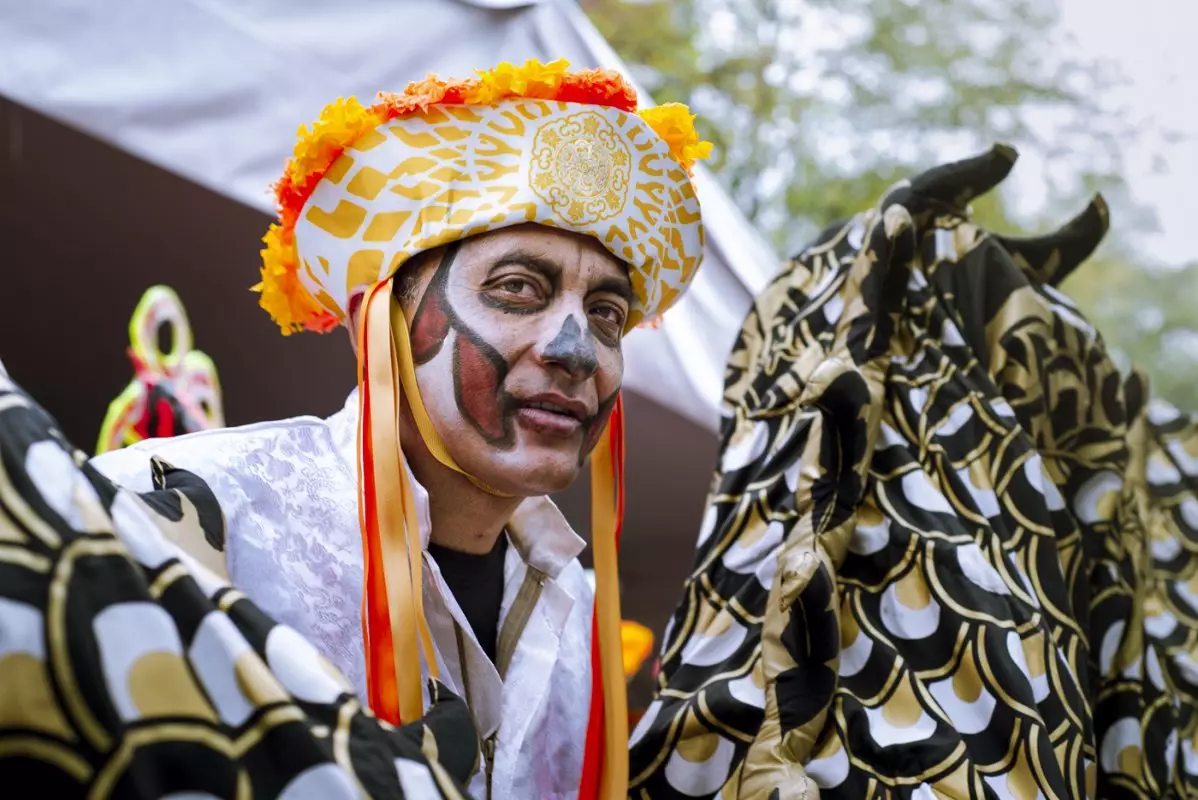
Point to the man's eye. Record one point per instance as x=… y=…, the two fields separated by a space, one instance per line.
x=609 y=314
x=518 y=286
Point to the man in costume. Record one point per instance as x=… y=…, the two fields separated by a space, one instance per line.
x=487 y=242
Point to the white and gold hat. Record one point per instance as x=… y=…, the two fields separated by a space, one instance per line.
x=367 y=189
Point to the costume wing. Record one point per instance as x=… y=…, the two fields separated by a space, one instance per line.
x=932 y=565
x=127 y=670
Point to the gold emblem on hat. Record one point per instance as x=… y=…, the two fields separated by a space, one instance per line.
x=583 y=167
x=580 y=167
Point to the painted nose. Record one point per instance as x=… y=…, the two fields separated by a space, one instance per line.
x=573 y=350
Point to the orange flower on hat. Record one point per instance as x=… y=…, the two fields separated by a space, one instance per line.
x=416 y=98
x=533 y=79
x=341 y=122
x=674 y=123
x=281 y=295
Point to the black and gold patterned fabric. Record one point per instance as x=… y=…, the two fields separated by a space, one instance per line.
x=128 y=671
x=938 y=561
x=1170 y=471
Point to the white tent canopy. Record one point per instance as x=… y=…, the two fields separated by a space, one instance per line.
x=212 y=89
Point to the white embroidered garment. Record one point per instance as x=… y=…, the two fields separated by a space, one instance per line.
x=288 y=490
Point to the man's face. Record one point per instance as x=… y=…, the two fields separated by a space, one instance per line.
x=516 y=336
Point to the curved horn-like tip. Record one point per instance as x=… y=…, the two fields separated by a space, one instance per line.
x=962 y=181
x=1004 y=150
x=1050 y=258
x=895 y=220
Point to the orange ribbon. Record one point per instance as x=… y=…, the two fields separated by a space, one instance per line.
x=605 y=763
x=395 y=630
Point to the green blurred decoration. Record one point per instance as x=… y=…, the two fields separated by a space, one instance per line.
x=817 y=106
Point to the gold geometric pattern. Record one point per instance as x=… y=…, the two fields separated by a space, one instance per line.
x=454 y=171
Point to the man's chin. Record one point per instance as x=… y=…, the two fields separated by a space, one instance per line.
x=535 y=471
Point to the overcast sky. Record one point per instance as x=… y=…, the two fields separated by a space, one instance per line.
x=1154 y=44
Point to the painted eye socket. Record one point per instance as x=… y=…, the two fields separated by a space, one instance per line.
x=517 y=289
x=516 y=293
x=608 y=314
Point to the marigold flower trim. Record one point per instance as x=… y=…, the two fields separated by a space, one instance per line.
x=344 y=121
x=674 y=123
x=282 y=295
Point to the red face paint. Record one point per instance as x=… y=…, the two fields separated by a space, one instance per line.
x=430 y=325
x=477 y=386
x=478 y=368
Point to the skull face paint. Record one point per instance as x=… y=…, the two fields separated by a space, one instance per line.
x=517 y=343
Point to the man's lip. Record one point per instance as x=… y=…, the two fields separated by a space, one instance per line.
x=575 y=408
x=548 y=423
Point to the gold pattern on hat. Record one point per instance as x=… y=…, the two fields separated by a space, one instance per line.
x=453 y=172
x=580 y=167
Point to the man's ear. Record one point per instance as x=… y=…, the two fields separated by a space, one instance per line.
x=351 y=319
x=408 y=284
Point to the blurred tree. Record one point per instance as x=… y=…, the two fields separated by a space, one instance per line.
x=1147 y=317
x=817 y=106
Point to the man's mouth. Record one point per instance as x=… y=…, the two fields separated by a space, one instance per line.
x=553 y=416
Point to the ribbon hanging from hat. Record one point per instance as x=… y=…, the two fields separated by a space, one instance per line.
x=605 y=760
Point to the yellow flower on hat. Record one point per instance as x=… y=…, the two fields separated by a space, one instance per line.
x=340 y=122
x=282 y=296
x=533 y=80
x=674 y=123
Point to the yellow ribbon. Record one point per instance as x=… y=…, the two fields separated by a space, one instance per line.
x=604 y=521
x=392 y=519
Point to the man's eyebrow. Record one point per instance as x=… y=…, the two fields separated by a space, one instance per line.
x=537 y=263
x=552 y=271
x=621 y=287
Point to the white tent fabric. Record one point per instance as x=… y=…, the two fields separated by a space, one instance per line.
x=212 y=90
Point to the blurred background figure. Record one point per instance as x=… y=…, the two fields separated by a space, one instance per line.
x=174 y=390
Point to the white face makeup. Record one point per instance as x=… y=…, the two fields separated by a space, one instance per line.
x=516 y=335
